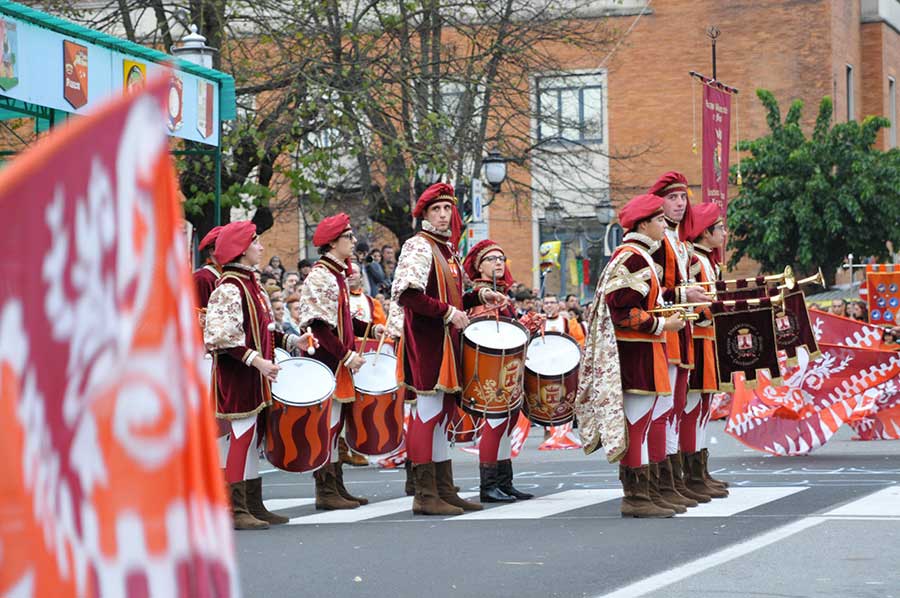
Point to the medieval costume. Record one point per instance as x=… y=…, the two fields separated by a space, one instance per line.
x=703 y=379
x=624 y=369
x=237 y=333
x=428 y=286
x=325 y=308
x=206 y=277
x=674 y=257
x=494 y=446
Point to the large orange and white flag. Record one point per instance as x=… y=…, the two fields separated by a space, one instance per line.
x=109 y=478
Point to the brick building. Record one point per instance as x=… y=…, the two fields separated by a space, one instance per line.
x=640 y=100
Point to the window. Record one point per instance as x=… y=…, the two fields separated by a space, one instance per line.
x=850 y=104
x=892 y=111
x=570 y=108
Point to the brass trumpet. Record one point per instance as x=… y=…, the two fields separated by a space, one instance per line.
x=791 y=283
x=688 y=308
x=786 y=275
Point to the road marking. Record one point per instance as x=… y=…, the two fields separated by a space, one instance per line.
x=740 y=499
x=370 y=511
x=884 y=503
x=692 y=568
x=279 y=504
x=544 y=506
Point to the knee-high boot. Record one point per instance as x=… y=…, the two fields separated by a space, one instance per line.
x=253 y=491
x=427 y=501
x=506 y=478
x=327 y=496
x=443 y=475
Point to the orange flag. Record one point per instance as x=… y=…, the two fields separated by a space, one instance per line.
x=110 y=479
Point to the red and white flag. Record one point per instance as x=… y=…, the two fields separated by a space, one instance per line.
x=110 y=479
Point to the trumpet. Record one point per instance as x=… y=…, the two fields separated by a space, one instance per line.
x=690 y=307
x=788 y=274
x=791 y=283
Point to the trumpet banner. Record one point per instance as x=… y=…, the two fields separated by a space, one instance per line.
x=745 y=344
x=110 y=478
x=793 y=328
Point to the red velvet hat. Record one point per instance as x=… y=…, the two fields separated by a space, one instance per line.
x=233 y=240
x=437 y=193
x=675 y=181
x=639 y=208
x=210 y=238
x=330 y=229
x=705 y=215
x=477 y=254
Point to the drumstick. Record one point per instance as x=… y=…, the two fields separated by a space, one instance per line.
x=310 y=343
x=497 y=313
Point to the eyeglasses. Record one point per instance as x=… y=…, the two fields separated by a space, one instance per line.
x=494 y=258
x=720 y=227
x=347 y=236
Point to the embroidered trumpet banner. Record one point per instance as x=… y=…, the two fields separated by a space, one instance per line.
x=110 y=478
x=793 y=329
x=745 y=343
x=816 y=399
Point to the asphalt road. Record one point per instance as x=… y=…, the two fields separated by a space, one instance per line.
x=827 y=524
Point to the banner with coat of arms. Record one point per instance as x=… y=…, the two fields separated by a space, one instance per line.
x=745 y=343
x=110 y=478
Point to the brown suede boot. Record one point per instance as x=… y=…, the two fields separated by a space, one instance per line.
x=427 y=501
x=695 y=480
x=667 y=487
x=410 y=487
x=242 y=517
x=656 y=496
x=443 y=475
x=327 y=496
x=342 y=490
x=636 y=502
x=253 y=492
x=709 y=479
x=678 y=475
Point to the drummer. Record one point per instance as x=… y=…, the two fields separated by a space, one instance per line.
x=206 y=277
x=486 y=266
x=325 y=308
x=237 y=334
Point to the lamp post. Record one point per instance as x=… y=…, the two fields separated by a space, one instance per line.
x=494 y=169
x=553 y=213
x=193 y=49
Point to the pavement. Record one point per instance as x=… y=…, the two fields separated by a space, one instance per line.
x=827 y=524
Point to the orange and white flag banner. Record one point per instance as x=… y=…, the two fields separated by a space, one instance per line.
x=109 y=479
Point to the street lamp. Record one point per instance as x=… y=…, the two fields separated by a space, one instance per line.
x=494 y=169
x=604 y=211
x=193 y=48
x=553 y=213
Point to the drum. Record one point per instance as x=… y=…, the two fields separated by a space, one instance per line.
x=281 y=355
x=551 y=378
x=493 y=357
x=298 y=422
x=375 y=422
x=464 y=427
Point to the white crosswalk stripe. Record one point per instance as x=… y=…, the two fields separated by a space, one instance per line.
x=740 y=500
x=544 y=506
x=370 y=511
x=883 y=503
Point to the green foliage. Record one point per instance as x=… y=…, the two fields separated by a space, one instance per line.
x=808 y=202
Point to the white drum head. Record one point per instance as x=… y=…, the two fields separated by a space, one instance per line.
x=303 y=382
x=484 y=333
x=552 y=355
x=377 y=377
x=281 y=355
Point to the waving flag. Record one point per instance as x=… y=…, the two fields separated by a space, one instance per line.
x=110 y=479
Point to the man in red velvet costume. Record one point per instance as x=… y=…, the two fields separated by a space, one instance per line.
x=485 y=265
x=624 y=371
x=674 y=256
x=428 y=286
x=325 y=308
x=708 y=237
x=206 y=277
x=239 y=336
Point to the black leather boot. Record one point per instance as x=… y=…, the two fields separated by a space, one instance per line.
x=505 y=478
x=489 y=490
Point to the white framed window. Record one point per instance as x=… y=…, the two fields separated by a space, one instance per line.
x=570 y=108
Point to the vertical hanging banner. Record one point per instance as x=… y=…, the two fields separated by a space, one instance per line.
x=75 y=75
x=110 y=475
x=883 y=284
x=716 y=140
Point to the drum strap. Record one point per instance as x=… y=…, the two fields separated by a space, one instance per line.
x=241 y=282
x=448 y=289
